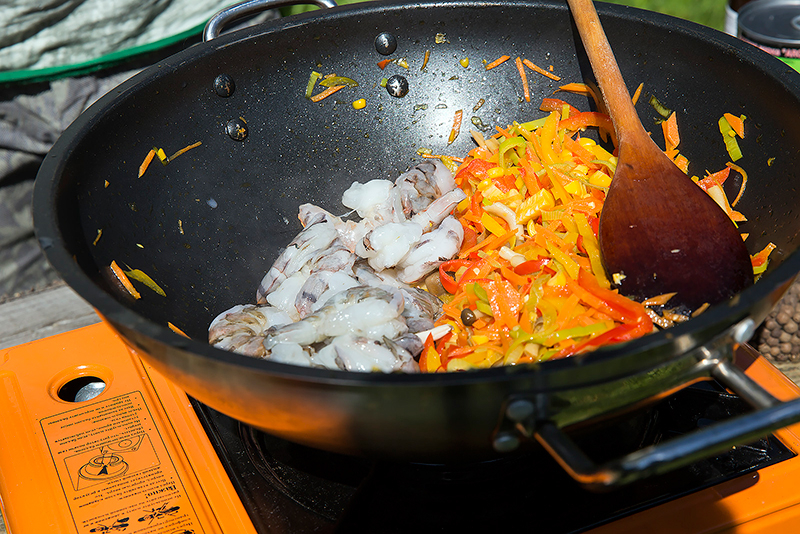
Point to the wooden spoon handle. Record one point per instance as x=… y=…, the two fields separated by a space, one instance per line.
x=615 y=93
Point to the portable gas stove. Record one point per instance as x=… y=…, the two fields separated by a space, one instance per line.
x=96 y=441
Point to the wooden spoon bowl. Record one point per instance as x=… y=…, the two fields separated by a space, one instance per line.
x=659 y=232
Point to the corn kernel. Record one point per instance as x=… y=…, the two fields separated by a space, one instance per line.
x=360 y=103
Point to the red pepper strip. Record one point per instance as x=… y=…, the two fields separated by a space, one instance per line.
x=470 y=238
x=382 y=64
x=449 y=283
x=556 y=104
x=616 y=306
x=718 y=178
x=476 y=168
x=531 y=266
x=505 y=183
x=583 y=155
x=586 y=119
x=631 y=311
x=605 y=338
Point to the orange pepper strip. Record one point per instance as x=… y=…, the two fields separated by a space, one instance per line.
x=525 y=89
x=326 y=93
x=498 y=61
x=737 y=124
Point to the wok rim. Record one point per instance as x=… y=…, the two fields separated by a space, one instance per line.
x=717 y=318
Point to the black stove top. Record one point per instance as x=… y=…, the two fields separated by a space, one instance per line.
x=289 y=488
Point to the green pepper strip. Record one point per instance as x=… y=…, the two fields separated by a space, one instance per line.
x=312 y=80
x=730 y=141
x=338 y=80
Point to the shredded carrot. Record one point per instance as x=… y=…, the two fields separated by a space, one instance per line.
x=176 y=329
x=637 y=93
x=744 y=182
x=454 y=131
x=146 y=163
x=326 y=93
x=185 y=149
x=540 y=70
x=498 y=61
x=526 y=91
x=670 y=128
x=425 y=60
x=123 y=278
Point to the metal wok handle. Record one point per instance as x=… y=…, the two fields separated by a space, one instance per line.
x=771 y=414
x=251 y=7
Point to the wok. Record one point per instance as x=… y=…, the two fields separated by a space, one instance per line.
x=208 y=225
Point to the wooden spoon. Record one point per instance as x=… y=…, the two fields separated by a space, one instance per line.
x=659 y=231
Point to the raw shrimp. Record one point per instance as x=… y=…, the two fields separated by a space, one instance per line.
x=341 y=288
x=370 y=312
x=315 y=237
x=241 y=328
x=350 y=352
x=436 y=247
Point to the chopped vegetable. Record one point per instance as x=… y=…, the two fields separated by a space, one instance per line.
x=525 y=89
x=140 y=276
x=333 y=81
x=96 y=239
x=312 y=81
x=183 y=150
x=729 y=138
x=496 y=62
x=123 y=279
x=454 y=131
x=176 y=329
x=540 y=70
x=382 y=64
x=326 y=93
x=464 y=62
x=146 y=163
x=361 y=103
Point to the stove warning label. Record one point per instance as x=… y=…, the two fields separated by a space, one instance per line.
x=115 y=470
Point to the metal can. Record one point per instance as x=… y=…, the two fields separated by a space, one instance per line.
x=774 y=27
x=732 y=15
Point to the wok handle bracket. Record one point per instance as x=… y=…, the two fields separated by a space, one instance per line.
x=252 y=7
x=770 y=415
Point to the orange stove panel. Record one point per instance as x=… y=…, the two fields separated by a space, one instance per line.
x=134 y=458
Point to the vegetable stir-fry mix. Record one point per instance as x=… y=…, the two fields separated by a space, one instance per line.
x=528 y=284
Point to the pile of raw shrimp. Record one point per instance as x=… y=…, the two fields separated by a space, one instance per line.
x=342 y=294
